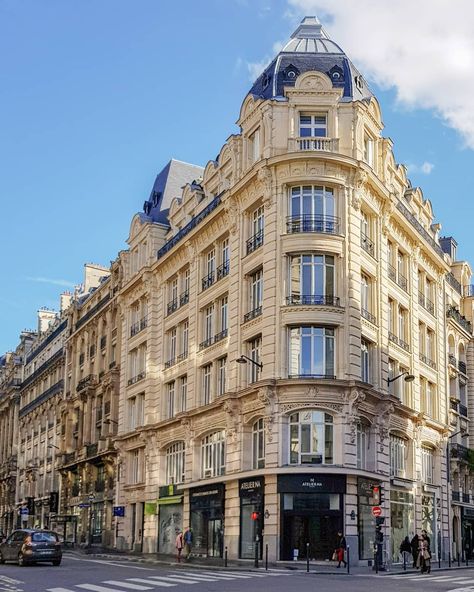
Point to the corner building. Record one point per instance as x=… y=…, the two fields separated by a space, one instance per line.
x=305 y=249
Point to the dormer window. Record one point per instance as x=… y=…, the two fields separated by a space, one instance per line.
x=313 y=125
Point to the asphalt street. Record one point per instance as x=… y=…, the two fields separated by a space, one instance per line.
x=78 y=574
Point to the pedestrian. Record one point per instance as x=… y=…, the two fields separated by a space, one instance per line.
x=425 y=534
x=341 y=547
x=179 y=546
x=415 y=547
x=424 y=555
x=188 y=542
x=405 y=548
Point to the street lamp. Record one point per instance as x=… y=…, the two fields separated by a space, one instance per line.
x=244 y=359
x=109 y=421
x=408 y=378
x=53 y=446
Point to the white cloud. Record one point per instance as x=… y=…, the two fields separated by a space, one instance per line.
x=425 y=168
x=423 y=49
x=55 y=282
x=256 y=68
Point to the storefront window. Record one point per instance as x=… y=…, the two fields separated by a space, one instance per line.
x=428 y=520
x=311 y=438
x=402 y=519
x=258 y=444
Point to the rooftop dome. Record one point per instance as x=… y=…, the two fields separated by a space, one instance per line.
x=310 y=49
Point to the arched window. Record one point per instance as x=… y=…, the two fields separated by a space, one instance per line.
x=258 y=445
x=213 y=455
x=175 y=463
x=311 y=437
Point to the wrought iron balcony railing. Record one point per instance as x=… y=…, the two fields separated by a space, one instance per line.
x=308 y=223
x=256 y=312
x=312 y=300
x=453 y=313
x=368 y=316
x=136 y=378
x=208 y=280
x=324 y=376
x=367 y=244
x=254 y=242
x=425 y=303
x=427 y=361
x=223 y=270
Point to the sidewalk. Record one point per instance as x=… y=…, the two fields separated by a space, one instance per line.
x=315 y=567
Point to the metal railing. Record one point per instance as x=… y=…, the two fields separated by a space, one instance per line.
x=170 y=363
x=312 y=300
x=138 y=326
x=425 y=303
x=453 y=405
x=398 y=341
x=324 y=376
x=208 y=280
x=452 y=360
x=220 y=336
x=308 y=223
x=136 y=378
x=91 y=449
x=254 y=242
x=256 y=312
x=462 y=367
x=223 y=270
x=367 y=244
x=182 y=356
x=184 y=298
x=453 y=282
x=427 y=361
x=453 y=313
x=462 y=410
x=85 y=382
x=172 y=306
x=368 y=316
x=468 y=290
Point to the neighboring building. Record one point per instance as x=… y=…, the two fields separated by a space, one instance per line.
x=88 y=413
x=304 y=249
x=11 y=376
x=40 y=393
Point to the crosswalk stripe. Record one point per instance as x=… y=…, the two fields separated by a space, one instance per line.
x=126 y=585
x=96 y=588
x=226 y=575
x=201 y=577
x=238 y=574
x=172 y=579
x=59 y=590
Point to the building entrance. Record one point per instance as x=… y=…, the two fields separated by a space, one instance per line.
x=319 y=531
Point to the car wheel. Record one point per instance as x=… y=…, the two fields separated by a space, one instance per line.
x=57 y=562
x=21 y=560
x=2 y=560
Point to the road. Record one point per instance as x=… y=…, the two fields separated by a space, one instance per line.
x=77 y=574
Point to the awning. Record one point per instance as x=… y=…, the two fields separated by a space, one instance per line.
x=172 y=499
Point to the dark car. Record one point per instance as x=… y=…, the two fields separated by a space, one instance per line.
x=31 y=545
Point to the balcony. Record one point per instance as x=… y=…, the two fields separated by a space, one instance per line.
x=208 y=280
x=206 y=343
x=184 y=298
x=99 y=485
x=462 y=367
x=368 y=316
x=461 y=452
x=220 y=336
x=223 y=270
x=367 y=244
x=255 y=242
x=91 y=450
x=256 y=312
x=453 y=282
x=462 y=410
x=453 y=405
x=398 y=341
x=456 y=496
x=426 y=303
x=313 y=376
x=182 y=357
x=452 y=360
x=138 y=326
x=308 y=223
x=170 y=363
x=318 y=144
x=398 y=278
x=172 y=306
x=86 y=382
x=210 y=340
x=312 y=300
x=453 y=313
x=136 y=378
x=427 y=361
x=69 y=457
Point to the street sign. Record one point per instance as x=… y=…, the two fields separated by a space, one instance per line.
x=376 y=511
x=119 y=511
x=84 y=506
x=24 y=511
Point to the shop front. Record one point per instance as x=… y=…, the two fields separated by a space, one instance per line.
x=311 y=511
x=428 y=520
x=207 y=520
x=170 y=518
x=251 y=516
x=402 y=520
x=467 y=525
x=366 y=521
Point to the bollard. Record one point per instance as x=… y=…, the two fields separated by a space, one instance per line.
x=225 y=557
x=256 y=551
x=459 y=560
x=376 y=562
x=348 y=559
x=449 y=559
x=404 y=560
x=439 y=559
x=307 y=557
x=467 y=560
x=266 y=557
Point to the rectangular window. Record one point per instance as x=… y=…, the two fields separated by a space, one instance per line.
x=211 y=262
x=369 y=151
x=223 y=314
x=175 y=463
x=173 y=290
x=213 y=455
x=256 y=290
x=209 y=322
x=258 y=445
x=312 y=280
x=255 y=352
x=225 y=252
x=365 y=348
x=136 y=472
x=206 y=384
x=365 y=296
x=172 y=337
x=170 y=402
x=362 y=444
x=221 y=375
x=397 y=457
x=258 y=220
x=254 y=147
x=311 y=352
x=427 y=465
x=313 y=125
x=183 y=393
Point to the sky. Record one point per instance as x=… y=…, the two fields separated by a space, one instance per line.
x=97 y=95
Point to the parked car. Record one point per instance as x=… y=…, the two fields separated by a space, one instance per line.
x=30 y=545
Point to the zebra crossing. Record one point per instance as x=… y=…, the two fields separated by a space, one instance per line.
x=460 y=583
x=169 y=579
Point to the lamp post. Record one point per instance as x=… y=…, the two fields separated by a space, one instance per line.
x=408 y=378
x=448 y=483
x=244 y=359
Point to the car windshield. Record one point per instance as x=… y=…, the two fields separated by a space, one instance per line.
x=44 y=537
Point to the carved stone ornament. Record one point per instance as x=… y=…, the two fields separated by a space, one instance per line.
x=268 y=422
x=312 y=393
x=232 y=211
x=353 y=399
x=188 y=430
x=232 y=411
x=266 y=395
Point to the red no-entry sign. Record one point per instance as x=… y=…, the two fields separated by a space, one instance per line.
x=376 y=511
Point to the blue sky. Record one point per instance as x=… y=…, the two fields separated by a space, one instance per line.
x=99 y=94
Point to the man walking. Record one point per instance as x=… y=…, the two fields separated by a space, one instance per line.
x=188 y=542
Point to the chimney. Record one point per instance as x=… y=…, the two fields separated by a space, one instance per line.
x=65 y=300
x=45 y=318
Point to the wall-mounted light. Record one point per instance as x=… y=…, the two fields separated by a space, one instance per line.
x=244 y=359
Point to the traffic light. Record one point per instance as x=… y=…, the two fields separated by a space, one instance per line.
x=255 y=515
x=54 y=502
x=379 y=520
x=376 y=495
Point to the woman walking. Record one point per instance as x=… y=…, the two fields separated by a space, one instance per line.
x=179 y=546
x=424 y=555
x=341 y=548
